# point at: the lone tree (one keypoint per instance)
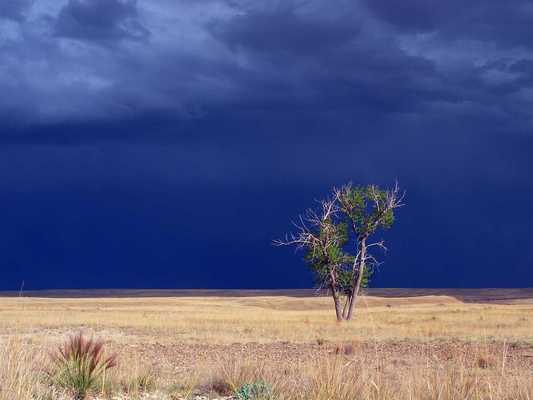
(345, 223)
(322, 235)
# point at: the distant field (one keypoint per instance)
(224, 317)
(521, 295)
(179, 334)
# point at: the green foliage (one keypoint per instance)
(365, 209)
(334, 233)
(321, 260)
(367, 276)
(258, 390)
(345, 277)
(79, 364)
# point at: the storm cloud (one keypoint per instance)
(14, 10)
(99, 20)
(113, 59)
(178, 126)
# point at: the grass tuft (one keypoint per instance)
(79, 365)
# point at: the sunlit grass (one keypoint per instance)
(349, 361)
(270, 319)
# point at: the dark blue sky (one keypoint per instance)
(166, 143)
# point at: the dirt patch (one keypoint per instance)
(179, 358)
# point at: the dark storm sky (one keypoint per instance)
(165, 143)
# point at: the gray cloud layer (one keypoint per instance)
(113, 59)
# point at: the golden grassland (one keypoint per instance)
(225, 320)
(432, 345)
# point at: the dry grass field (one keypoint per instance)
(403, 344)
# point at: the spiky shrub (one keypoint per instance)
(79, 364)
(258, 390)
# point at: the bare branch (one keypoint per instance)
(311, 225)
(380, 244)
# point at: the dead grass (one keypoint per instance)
(18, 377)
(377, 376)
(269, 319)
(428, 347)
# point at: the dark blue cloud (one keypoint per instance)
(14, 9)
(504, 23)
(215, 55)
(203, 213)
(283, 31)
(184, 136)
(100, 20)
(325, 61)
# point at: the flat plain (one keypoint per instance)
(403, 338)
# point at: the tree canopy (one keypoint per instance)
(335, 237)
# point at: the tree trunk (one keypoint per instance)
(345, 308)
(357, 283)
(337, 301)
(335, 295)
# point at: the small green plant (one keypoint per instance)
(79, 364)
(145, 382)
(258, 390)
